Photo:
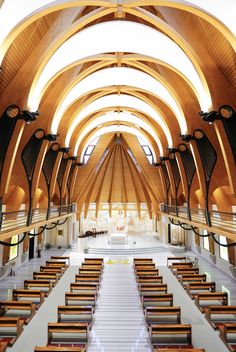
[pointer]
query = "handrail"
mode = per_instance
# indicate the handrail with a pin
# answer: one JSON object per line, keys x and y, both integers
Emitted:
{"x": 17, "y": 219}
{"x": 219, "y": 219}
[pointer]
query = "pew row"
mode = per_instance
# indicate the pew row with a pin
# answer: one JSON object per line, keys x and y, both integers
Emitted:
{"x": 53, "y": 277}
{"x": 157, "y": 299}
{"x": 146, "y": 289}
{"x": 75, "y": 314}
{"x": 174, "y": 259}
{"x": 61, "y": 258}
{"x": 44, "y": 285}
{"x": 24, "y": 310}
{"x": 171, "y": 335}
{"x": 76, "y": 334}
{"x": 206, "y": 299}
{"x": 193, "y": 288}
{"x": 152, "y": 280}
{"x": 35, "y": 296}
{"x": 218, "y": 315}
{"x": 81, "y": 299}
{"x": 163, "y": 315}
{"x": 10, "y": 329}
{"x": 84, "y": 287}
{"x": 58, "y": 349}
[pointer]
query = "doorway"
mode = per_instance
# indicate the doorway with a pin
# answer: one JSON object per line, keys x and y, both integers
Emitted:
{"x": 31, "y": 247}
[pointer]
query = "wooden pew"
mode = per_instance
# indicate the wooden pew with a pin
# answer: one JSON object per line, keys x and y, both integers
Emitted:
{"x": 58, "y": 349}
{"x": 143, "y": 261}
{"x": 52, "y": 269}
{"x": 192, "y": 288}
{"x": 186, "y": 271}
{"x": 68, "y": 333}
{"x": 3, "y": 346}
{"x": 166, "y": 335}
{"x": 80, "y": 299}
{"x": 144, "y": 266}
{"x": 157, "y": 299}
{"x": 150, "y": 280}
{"x": 93, "y": 261}
{"x": 210, "y": 299}
{"x": 92, "y": 267}
{"x": 146, "y": 289}
{"x": 44, "y": 285}
{"x": 35, "y": 296}
{"x": 85, "y": 278}
{"x": 174, "y": 259}
{"x": 180, "y": 265}
{"x": 185, "y": 279}
{"x": 228, "y": 335}
{"x": 84, "y": 287}
{"x": 24, "y": 310}
{"x": 163, "y": 315}
{"x": 218, "y": 315}
{"x": 94, "y": 273}
{"x": 75, "y": 314}
{"x": 53, "y": 277}
{"x": 61, "y": 258}
{"x": 179, "y": 350}
{"x": 147, "y": 272}
{"x": 10, "y": 329}
{"x": 57, "y": 263}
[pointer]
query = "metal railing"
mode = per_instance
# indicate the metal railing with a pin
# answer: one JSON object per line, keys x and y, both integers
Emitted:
{"x": 17, "y": 219}
{"x": 218, "y": 219}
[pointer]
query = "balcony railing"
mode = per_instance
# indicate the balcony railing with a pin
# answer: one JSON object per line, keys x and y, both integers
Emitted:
{"x": 17, "y": 219}
{"x": 215, "y": 219}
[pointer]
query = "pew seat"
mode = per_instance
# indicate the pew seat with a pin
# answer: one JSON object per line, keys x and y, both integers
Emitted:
{"x": 171, "y": 335}
{"x": 146, "y": 289}
{"x": 92, "y": 273}
{"x": 3, "y": 346}
{"x": 24, "y": 310}
{"x": 163, "y": 315}
{"x": 53, "y": 277}
{"x": 186, "y": 278}
{"x": 157, "y": 299}
{"x": 52, "y": 269}
{"x": 180, "y": 350}
{"x": 75, "y": 314}
{"x": 58, "y": 349}
{"x": 152, "y": 280}
{"x": 147, "y": 272}
{"x": 76, "y": 334}
{"x": 144, "y": 266}
{"x": 218, "y": 315}
{"x": 10, "y": 329}
{"x": 84, "y": 287}
{"x": 92, "y": 267}
{"x": 61, "y": 258}
{"x": 193, "y": 288}
{"x": 57, "y": 263}
{"x": 93, "y": 261}
{"x": 35, "y": 296}
{"x": 86, "y": 278}
{"x": 176, "y": 259}
{"x": 142, "y": 260}
{"x": 44, "y": 285}
{"x": 186, "y": 271}
{"x": 228, "y": 335}
{"x": 181, "y": 265}
{"x": 80, "y": 299}
{"x": 206, "y": 299}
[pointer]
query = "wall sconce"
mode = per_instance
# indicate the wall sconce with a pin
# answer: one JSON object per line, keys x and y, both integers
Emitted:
{"x": 64, "y": 150}
{"x": 51, "y": 137}
{"x": 73, "y": 158}
{"x": 29, "y": 116}
{"x": 186, "y": 137}
{"x": 225, "y": 112}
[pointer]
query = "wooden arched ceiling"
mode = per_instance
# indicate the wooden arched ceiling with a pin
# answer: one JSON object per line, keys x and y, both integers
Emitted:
{"x": 205, "y": 40}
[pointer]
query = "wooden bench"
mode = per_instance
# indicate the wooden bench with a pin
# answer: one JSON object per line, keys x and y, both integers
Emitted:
{"x": 76, "y": 334}
{"x": 174, "y": 259}
{"x": 35, "y": 296}
{"x": 81, "y": 299}
{"x": 143, "y": 261}
{"x": 44, "y": 285}
{"x": 94, "y": 273}
{"x": 3, "y": 346}
{"x": 192, "y": 288}
{"x": 181, "y": 265}
{"x": 147, "y": 272}
{"x": 84, "y": 287}
{"x": 53, "y": 277}
{"x": 24, "y": 310}
{"x": 163, "y": 315}
{"x": 228, "y": 335}
{"x": 152, "y": 280}
{"x": 92, "y": 267}
{"x": 144, "y": 266}
{"x": 58, "y": 349}
{"x": 57, "y": 263}
{"x": 186, "y": 271}
{"x": 85, "y": 278}
{"x": 167, "y": 335}
{"x": 75, "y": 313}
{"x": 218, "y": 315}
{"x": 147, "y": 289}
{"x": 157, "y": 299}
{"x": 211, "y": 299}
{"x": 93, "y": 261}
{"x": 186, "y": 278}
{"x": 61, "y": 258}
{"x": 52, "y": 269}
{"x": 10, "y": 329}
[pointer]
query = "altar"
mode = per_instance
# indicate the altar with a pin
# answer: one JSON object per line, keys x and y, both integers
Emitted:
{"x": 118, "y": 238}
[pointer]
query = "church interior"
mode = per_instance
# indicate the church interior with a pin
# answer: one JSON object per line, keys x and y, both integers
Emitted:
{"x": 117, "y": 176}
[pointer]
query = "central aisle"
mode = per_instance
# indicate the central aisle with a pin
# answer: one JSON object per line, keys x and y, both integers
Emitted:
{"x": 119, "y": 324}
